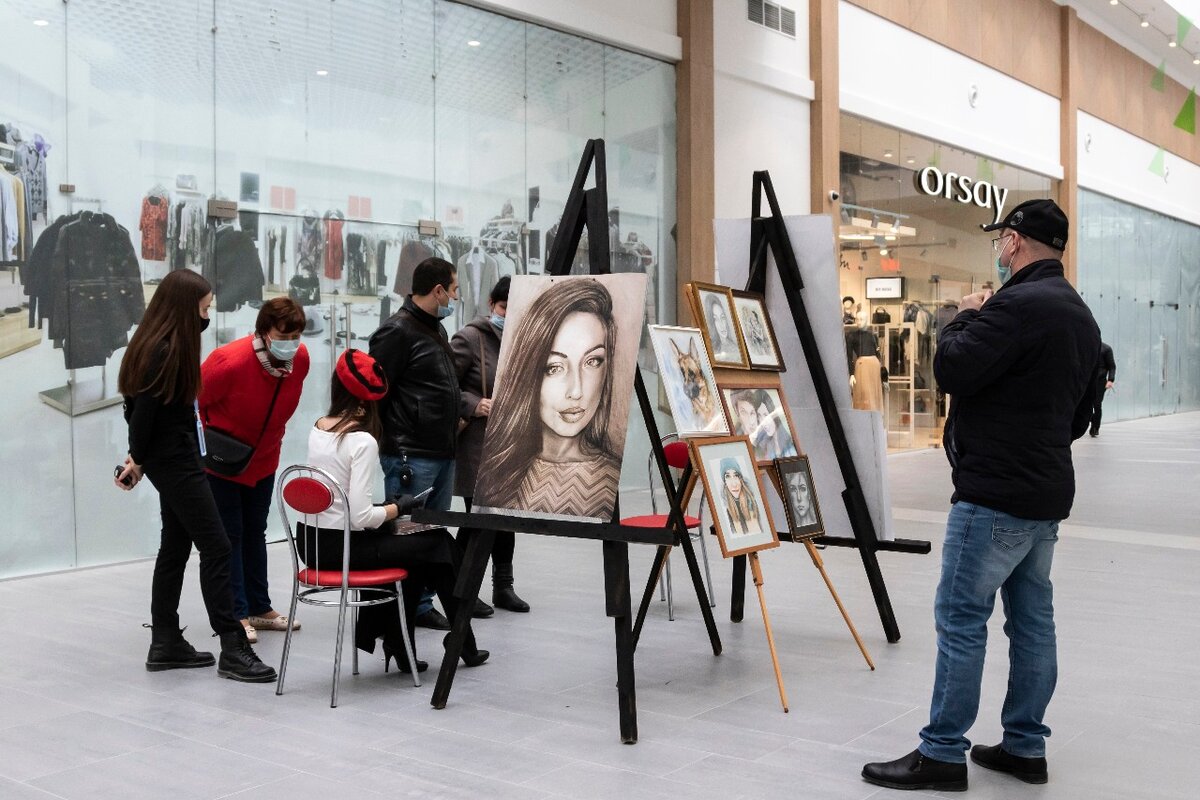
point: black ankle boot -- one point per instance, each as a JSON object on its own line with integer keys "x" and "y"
{"x": 471, "y": 655}
{"x": 169, "y": 650}
{"x": 239, "y": 662}
{"x": 503, "y": 595}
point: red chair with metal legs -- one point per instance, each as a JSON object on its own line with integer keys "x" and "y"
{"x": 678, "y": 456}
{"x": 310, "y": 491}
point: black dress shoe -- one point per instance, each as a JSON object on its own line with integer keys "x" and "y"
{"x": 1030, "y": 770}
{"x": 482, "y": 610}
{"x": 432, "y": 619}
{"x": 916, "y": 771}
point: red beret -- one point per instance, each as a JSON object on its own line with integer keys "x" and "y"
{"x": 361, "y": 375}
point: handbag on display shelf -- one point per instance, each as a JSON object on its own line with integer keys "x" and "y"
{"x": 228, "y": 455}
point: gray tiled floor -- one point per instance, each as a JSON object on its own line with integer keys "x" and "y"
{"x": 80, "y": 718}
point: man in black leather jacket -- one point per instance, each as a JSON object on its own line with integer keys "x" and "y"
{"x": 1019, "y": 366}
{"x": 424, "y": 404}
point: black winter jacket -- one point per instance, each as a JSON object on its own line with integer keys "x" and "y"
{"x": 421, "y": 411}
{"x": 1020, "y": 373}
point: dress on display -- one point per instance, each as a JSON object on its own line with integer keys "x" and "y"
{"x": 335, "y": 254}
{"x": 153, "y": 225}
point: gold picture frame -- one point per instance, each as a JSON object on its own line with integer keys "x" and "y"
{"x": 712, "y": 307}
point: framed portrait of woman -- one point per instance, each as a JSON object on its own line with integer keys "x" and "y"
{"x": 712, "y": 306}
{"x": 754, "y": 323}
{"x": 799, "y": 498}
{"x": 687, "y": 381}
{"x": 735, "y": 495}
{"x": 760, "y": 413}
{"x": 564, "y": 380}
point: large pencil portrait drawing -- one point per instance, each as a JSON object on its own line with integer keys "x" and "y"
{"x": 563, "y": 385}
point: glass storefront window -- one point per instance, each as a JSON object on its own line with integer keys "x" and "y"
{"x": 926, "y": 237}
{"x": 336, "y": 128}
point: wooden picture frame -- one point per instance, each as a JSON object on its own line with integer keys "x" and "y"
{"x": 741, "y": 516}
{"x": 712, "y": 305}
{"x": 758, "y": 334}
{"x": 687, "y": 382}
{"x": 767, "y": 446}
{"x": 799, "y": 495}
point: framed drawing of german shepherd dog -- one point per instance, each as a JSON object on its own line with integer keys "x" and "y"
{"x": 688, "y": 382}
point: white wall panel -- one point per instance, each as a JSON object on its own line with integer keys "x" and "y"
{"x": 1117, "y": 163}
{"x": 895, "y": 76}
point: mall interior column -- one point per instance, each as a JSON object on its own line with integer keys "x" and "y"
{"x": 825, "y": 140}
{"x": 1068, "y": 187}
{"x": 696, "y": 188}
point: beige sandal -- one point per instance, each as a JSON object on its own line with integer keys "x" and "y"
{"x": 279, "y": 623}
{"x": 251, "y": 633}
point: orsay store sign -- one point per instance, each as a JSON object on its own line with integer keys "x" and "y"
{"x": 962, "y": 188}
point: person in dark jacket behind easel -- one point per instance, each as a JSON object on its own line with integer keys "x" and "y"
{"x": 1019, "y": 366}
{"x": 476, "y": 354}
{"x": 160, "y": 379}
{"x": 423, "y": 404}
{"x": 1106, "y": 375}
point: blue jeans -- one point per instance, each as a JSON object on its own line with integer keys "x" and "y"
{"x": 244, "y": 511}
{"x": 986, "y": 551}
{"x": 426, "y": 472}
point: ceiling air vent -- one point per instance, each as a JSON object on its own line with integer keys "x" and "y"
{"x": 772, "y": 16}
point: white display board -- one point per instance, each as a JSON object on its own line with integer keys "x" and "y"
{"x": 813, "y": 242}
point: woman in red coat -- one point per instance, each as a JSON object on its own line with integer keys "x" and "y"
{"x": 251, "y": 388}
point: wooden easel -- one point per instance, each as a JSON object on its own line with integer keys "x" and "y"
{"x": 756, "y": 571}
{"x": 768, "y": 235}
{"x": 585, "y": 207}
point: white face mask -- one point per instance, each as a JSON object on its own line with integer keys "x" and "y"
{"x": 284, "y": 350}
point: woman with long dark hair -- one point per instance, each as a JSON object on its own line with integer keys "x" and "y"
{"x": 251, "y": 389}
{"x": 549, "y": 449}
{"x": 738, "y": 498}
{"x": 160, "y": 379}
{"x": 345, "y": 443}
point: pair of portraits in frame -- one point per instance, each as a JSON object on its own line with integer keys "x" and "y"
{"x": 737, "y": 497}
{"x": 736, "y": 327}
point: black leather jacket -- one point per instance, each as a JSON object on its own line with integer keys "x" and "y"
{"x": 424, "y": 403}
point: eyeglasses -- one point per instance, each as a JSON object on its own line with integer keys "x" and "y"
{"x": 997, "y": 243}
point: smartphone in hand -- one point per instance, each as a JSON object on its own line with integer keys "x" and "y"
{"x": 127, "y": 480}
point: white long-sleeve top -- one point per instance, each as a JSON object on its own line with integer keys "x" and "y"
{"x": 353, "y": 461}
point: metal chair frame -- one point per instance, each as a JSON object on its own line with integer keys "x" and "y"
{"x": 664, "y": 584}
{"x": 316, "y": 594}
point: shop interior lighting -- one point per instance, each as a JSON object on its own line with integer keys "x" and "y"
{"x": 41, "y": 23}
{"x": 1172, "y": 43}
{"x": 473, "y": 43}
{"x": 887, "y": 153}
{"x": 1145, "y": 22}
{"x": 910, "y": 160}
{"x": 1114, "y": 2}
{"x": 1196, "y": 60}
{"x": 883, "y": 251}
{"x": 322, "y": 72}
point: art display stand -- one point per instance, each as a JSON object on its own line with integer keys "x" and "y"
{"x": 585, "y": 207}
{"x": 756, "y": 571}
{"x": 768, "y": 236}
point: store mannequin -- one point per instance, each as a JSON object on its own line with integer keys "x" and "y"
{"x": 866, "y": 371}
{"x": 848, "y": 307}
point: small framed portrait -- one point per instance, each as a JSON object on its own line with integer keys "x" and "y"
{"x": 712, "y": 306}
{"x": 760, "y": 413}
{"x": 799, "y": 497}
{"x": 686, "y": 378}
{"x": 735, "y": 495}
{"x": 755, "y": 325}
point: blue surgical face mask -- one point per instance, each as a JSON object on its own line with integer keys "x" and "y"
{"x": 284, "y": 350}
{"x": 1003, "y": 273}
{"x": 446, "y": 310}
{"x": 497, "y": 321}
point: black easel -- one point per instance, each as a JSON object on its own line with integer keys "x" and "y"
{"x": 585, "y": 207}
{"x": 769, "y": 234}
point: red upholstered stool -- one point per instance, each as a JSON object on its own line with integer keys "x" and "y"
{"x": 310, "y": 491}
{"x": 678, "y": 455}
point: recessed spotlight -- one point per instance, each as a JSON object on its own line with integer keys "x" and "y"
{"x": 473, "y": 43}
{"x": 1145, "y": 22}
{"x": 41, "y": 23}
{"x": 1172, "y": 43}
{"x": 887, "y": 153}
{"x": 322, "y": 72}
{"x": 883, "y": 251}
{"x": 910, "y": 160}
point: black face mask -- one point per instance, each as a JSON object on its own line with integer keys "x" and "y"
{"x": 204, "y": 323}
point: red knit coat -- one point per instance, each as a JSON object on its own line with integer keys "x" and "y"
{"x": 235, "y": 395}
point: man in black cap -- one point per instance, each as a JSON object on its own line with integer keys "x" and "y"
{"x": 1019, "y": 366}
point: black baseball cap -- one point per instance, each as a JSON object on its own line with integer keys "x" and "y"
{"x": 1042, "y": 220}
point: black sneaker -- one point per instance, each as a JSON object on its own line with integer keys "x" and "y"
{"x": 1030, "y": 770}
{"x": 917, "y": 771}
{"x": 432, "y": 619}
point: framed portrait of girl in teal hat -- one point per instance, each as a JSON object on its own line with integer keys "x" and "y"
{"x": 735, "y": 495}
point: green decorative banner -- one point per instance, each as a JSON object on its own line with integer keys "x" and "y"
{"x": 1159, "y": 82}
{"x": 1183, "y": 27}
{"x": 1186, "y": 119}
{"x": 1158, "y": 163}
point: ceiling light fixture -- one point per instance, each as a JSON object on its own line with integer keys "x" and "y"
{"x": 1196, "y": 60}
{"x": 41, "y": 23}
{"x": 473, "y": 43}
{"x": 887, "y": 153}
{"x": 1171, "y": 42}
{"x": 1114, "y": 2}
{"x": 1145, "y": 22}
{"x": 322, "y": 72}
{"x": 910, "y": 160}
{"x": 883, "y": 251}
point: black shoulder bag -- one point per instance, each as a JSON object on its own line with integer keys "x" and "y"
{"x": 229, "y": 456}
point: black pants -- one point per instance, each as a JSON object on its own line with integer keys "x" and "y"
{"x": 189, "y": 516}
{"x": 431, "y": 558}
{"x": 503, "y": 545}
{"x": 1096, "y": 409}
